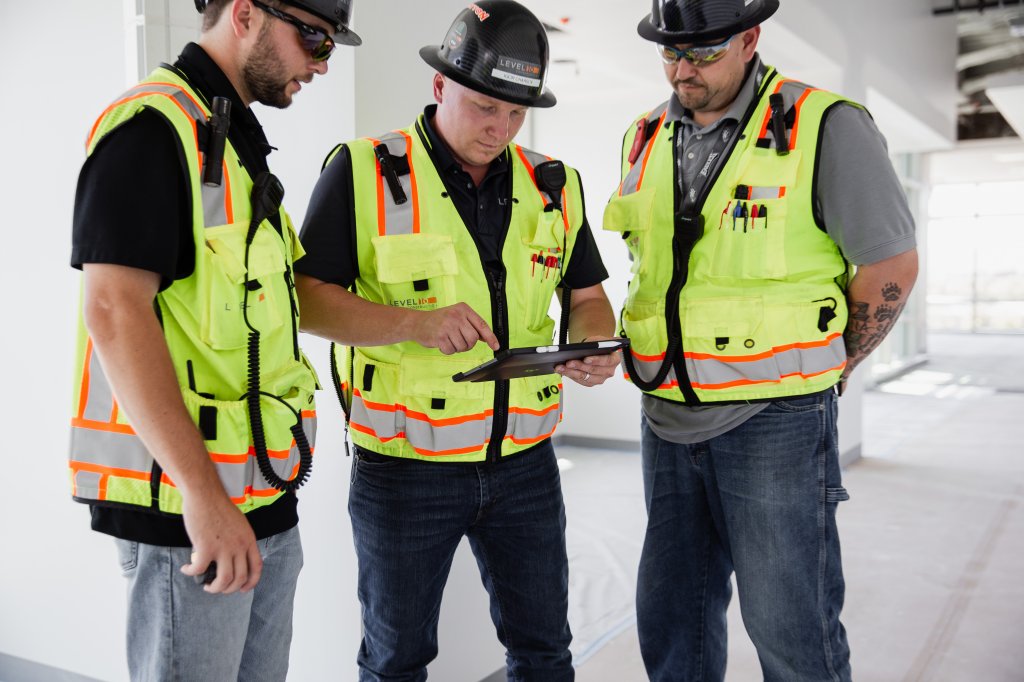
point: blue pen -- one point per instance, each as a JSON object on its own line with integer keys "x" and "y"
{"x": 737, "y": 214}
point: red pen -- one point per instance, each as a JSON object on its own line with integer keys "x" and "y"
{"x": 753, "y": 217}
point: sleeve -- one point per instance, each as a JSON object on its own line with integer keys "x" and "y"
{"x": 858, "y": 196}
{"x": 329, "y": 230}
{"x": 132, "y": 204}
{"x": 585, "y": 267}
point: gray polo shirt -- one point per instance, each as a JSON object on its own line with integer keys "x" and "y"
{"x": 858, "y": 196}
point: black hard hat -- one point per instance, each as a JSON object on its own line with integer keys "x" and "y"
{"x": 695, "y": 21}
{"x": 498, "y": 48}
{"x": 337, "y": 13}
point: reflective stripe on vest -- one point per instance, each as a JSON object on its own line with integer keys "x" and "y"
{"x": 749, "y": 310}
{"x": 411, "y": 407}
{"x": 206, "y": 335}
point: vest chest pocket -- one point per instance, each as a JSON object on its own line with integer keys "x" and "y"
{"x": 631, "y": 215}
{"x": 750, "y": 247}
{"x": 416, "y": 271}
{"x": 541, "y": 268}
{"x": 223, "y": 274}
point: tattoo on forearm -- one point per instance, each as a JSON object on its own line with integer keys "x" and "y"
{"x": 868, "y": 326}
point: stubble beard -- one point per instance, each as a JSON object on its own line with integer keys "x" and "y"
{"x": 262, "y": 74}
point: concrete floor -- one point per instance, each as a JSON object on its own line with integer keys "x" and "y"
{"x": 933, "y": 536}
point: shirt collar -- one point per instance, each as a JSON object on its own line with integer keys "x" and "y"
{"x": 443, "y": 155}
{"x": 210, "y": 81}
{"x": 736, "y": 110}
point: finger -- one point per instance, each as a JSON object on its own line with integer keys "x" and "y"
{"x": 197, "y": 565}
{"x": 255, "y": 568}
{"x": 446, "y": 347}
{"x": 483, "y": 331}
{"x": 241, "y": 573}
{"x": 225, "y": 576}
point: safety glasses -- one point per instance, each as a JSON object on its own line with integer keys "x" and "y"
{"x": 698, "y": 55}
{"x": 316, "y": 42}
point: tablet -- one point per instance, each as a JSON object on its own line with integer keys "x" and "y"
{"x": 513, "y": 363}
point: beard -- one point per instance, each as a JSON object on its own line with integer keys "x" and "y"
{"x": 263, "y": 73}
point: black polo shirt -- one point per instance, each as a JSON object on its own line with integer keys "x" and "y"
{"x": 133, "y": 207}
{"x": 329, "y": 230}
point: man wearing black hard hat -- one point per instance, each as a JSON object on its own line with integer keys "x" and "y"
{"x": 188, "y": 357}
{"x": 772, "y": 251}
{"x": 454, "y": 240}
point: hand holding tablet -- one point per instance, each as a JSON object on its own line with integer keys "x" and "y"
{"x": 513, "y": 363}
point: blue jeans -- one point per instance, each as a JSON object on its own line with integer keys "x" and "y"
{"x": 759, "y": 500}
{"x": 179, "y": 633}
{"x": 409, "y": 516}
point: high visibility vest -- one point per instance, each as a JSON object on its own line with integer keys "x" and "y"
{"x": 418, "y": 254}
{"x": 718, "y": 309}
{"x": 206, "y": 335}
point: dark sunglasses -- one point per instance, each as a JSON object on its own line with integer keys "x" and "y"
{"x": 316, "y": 42}
{"x": 698, "y": 55}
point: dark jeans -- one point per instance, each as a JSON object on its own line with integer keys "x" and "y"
{"x": 409, "y": 516}
{"x": 759, "y": 500}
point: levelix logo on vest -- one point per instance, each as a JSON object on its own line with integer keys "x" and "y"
{"x": 429, "y": 303}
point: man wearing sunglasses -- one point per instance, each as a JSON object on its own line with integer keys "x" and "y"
{"x": 188, "y": 355}
{"x": 772, "y": 251}
{"x": 453, "y": 240}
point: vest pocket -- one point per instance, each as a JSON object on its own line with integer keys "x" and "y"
{"x": 416, "y": 271}
{"x": 535, "y": 408}
{"x": 223, "y": 273}
{"x": 443, "y": 417}
{"x": 751, "y": 247}
{"x": 542, "y": 269}
{"x": 644, "y": 324}
{"x": 725, "y": 345}
{"x": 631, "y": 215}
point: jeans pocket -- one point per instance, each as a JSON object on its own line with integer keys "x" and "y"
{"x": 127, "y": 555}
{"x": 804, "y": 403}
{"x": 372, "y": 460}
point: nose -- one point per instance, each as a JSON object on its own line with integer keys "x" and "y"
{"x": 685, "y": 70}
{"x": 320, "y": 67}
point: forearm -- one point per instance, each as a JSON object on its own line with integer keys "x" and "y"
{"x": 590, "y": 315}
{"x": 876, "y": 296}
{"x": 332, "y": 312}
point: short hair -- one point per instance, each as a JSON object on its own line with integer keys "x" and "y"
{"x": 214, "y": 8}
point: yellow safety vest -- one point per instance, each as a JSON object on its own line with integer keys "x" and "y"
{"x": 207, "y": 337}
{"x": 719, "y": 311}
{"x": 400, "y": 399}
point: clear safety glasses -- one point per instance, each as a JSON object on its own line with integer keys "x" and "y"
{"x": 316, "y": 42}
{"x": 698, "y": 55}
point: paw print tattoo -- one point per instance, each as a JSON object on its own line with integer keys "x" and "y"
{"x": 892, "y": 292}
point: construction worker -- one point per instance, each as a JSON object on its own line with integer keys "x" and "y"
{"x": 193, "y": 414}
{"x": 772, "y": 250}
{"x": 454, "y": 239}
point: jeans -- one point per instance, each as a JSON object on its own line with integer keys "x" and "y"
{"x": 759, "y": 500}
{"x": 408, "y": 518}
{"x": 177, "y": 632}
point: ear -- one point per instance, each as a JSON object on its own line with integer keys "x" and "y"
{"x": 438, "y": 87}
{"x": 749, "y": 44}
{"x": 242, "y": 18}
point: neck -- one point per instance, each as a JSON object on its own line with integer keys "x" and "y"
{"x": 227, "y": 61}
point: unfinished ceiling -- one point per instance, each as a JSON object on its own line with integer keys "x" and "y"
{"x": 990, "y": 66}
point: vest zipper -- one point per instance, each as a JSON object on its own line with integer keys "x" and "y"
{"x": 499, "y": 321}
{"x": 686, "y": 234}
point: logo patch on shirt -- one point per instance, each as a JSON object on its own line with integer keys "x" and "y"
{"x": 422, "y": 303}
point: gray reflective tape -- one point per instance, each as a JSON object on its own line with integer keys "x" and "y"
{"x": 398, "y": 218}
{"x": 99, "y": 402}
{"x": 110, "y": 449}
{"x": 214, "y": 206}
{"x": 527, "y": 428}
{"x": 794, "y": 361}
{"x": 648, "y": 369}
{"x": 87, "y": 485}
{"x": 176, "y": 93}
